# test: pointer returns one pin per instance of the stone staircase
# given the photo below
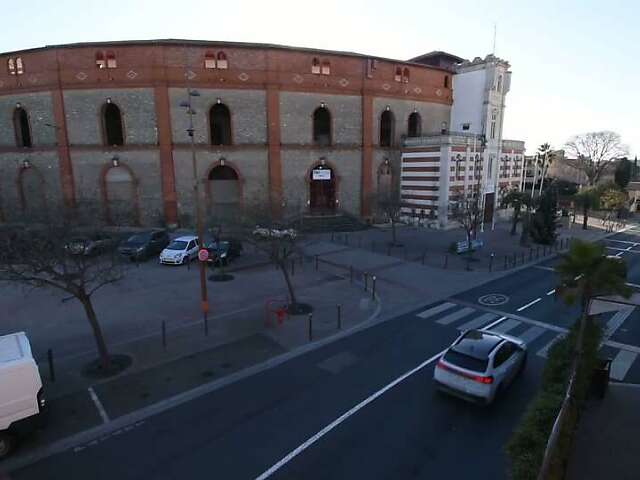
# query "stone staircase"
(339, 222)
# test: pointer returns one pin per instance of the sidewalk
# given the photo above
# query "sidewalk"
(606, 442)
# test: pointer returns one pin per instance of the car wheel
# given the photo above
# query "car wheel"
(7, 444)
(184, 260)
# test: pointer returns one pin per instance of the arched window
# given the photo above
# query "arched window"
(111, 60)
(11, 66)
(446, 81)
(220, 124)
(398, 75)
(415, 125)
(384, 179)
(315, 66)
(326, 67)
(21, 127)
(112, 124)
(405, 75)
(100, 61)
(209, 60)
(499, 86)
(386, 128)
(322, 126)
(222, 61)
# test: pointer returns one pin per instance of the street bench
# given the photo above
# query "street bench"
(463, 246)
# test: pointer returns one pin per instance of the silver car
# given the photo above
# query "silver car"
(480, 365)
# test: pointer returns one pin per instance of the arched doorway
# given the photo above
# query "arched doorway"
(322, 190)
(223, 192)
(122, 205)
(32, 194)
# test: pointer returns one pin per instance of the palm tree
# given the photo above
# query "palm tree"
(546, 156)
(517, 200)
(586, 273)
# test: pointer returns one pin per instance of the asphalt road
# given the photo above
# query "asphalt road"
(290, 422)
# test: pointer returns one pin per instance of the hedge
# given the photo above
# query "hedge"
(528, 442)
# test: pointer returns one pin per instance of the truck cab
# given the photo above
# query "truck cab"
(21, 397)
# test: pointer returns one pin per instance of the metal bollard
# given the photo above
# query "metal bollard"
(339, 317)
(446, 261)
(530, 253)
(164, 334)
(522, 258)
(332, 236)
(537, 253)
(351, 274)
(316, 263)
(206, 325)
(544, 250)
(373, 287)
(365, 275)
(515, 259)
(311, 327)
(52, 371)
(506, 262)
(491, 261)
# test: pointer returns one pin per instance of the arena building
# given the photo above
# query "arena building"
(303, 131)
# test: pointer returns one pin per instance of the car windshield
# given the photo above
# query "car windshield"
(139, 238)
(177, 245)
(465, 361)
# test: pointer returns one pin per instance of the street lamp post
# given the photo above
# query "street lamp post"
(204, 303)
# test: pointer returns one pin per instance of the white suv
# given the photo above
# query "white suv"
(180, 251)
(479, 365)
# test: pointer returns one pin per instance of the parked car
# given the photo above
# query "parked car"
(180, 251)
(264, 233)
(224, 251)
(479, 365)
(22, 401)
(144, 245)
(90, 245)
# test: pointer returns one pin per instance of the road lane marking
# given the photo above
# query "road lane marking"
(544, 351)
(504, 327)
(524, 307)
(454, 317)
(541, 267)
(621, 364)
(634, 285)
(313, 439)
(531, 334)
(435, 310)
(99, 406)
(616, 321)
(622, 241)
(477, 322)
(551, 292)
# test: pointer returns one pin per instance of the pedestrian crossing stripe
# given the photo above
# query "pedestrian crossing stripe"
(448, 313)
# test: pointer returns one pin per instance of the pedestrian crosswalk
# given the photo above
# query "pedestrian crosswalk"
(538, 338)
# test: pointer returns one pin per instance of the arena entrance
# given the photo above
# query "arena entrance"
(322, 190)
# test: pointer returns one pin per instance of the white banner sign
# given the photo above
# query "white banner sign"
(321, 174)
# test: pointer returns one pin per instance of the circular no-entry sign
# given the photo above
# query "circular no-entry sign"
(493, 299)
(203, 254)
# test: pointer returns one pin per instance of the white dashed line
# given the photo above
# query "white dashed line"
(524, 307)
(99, 406)
(551, 292)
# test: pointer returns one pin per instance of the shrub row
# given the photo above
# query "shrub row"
(528, 442)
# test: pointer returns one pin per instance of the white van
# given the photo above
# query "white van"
(21, 398)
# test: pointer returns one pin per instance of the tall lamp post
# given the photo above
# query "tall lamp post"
(204, 303)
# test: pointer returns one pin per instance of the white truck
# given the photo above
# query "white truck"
(21, 399)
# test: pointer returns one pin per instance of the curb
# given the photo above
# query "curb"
(137, 417)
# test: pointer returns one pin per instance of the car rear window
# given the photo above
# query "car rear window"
(465, 361)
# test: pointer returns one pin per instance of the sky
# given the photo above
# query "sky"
(575, 63)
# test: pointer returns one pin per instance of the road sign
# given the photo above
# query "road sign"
(203, 254)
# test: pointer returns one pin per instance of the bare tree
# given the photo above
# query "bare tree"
(594, 151)
(258, 227)
(467, 211)
(389, 207)
(50, 255)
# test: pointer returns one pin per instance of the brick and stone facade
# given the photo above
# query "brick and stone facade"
(271, 93)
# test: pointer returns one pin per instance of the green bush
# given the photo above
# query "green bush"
(528, 442)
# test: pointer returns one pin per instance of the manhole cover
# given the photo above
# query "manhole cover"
(493, 299)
